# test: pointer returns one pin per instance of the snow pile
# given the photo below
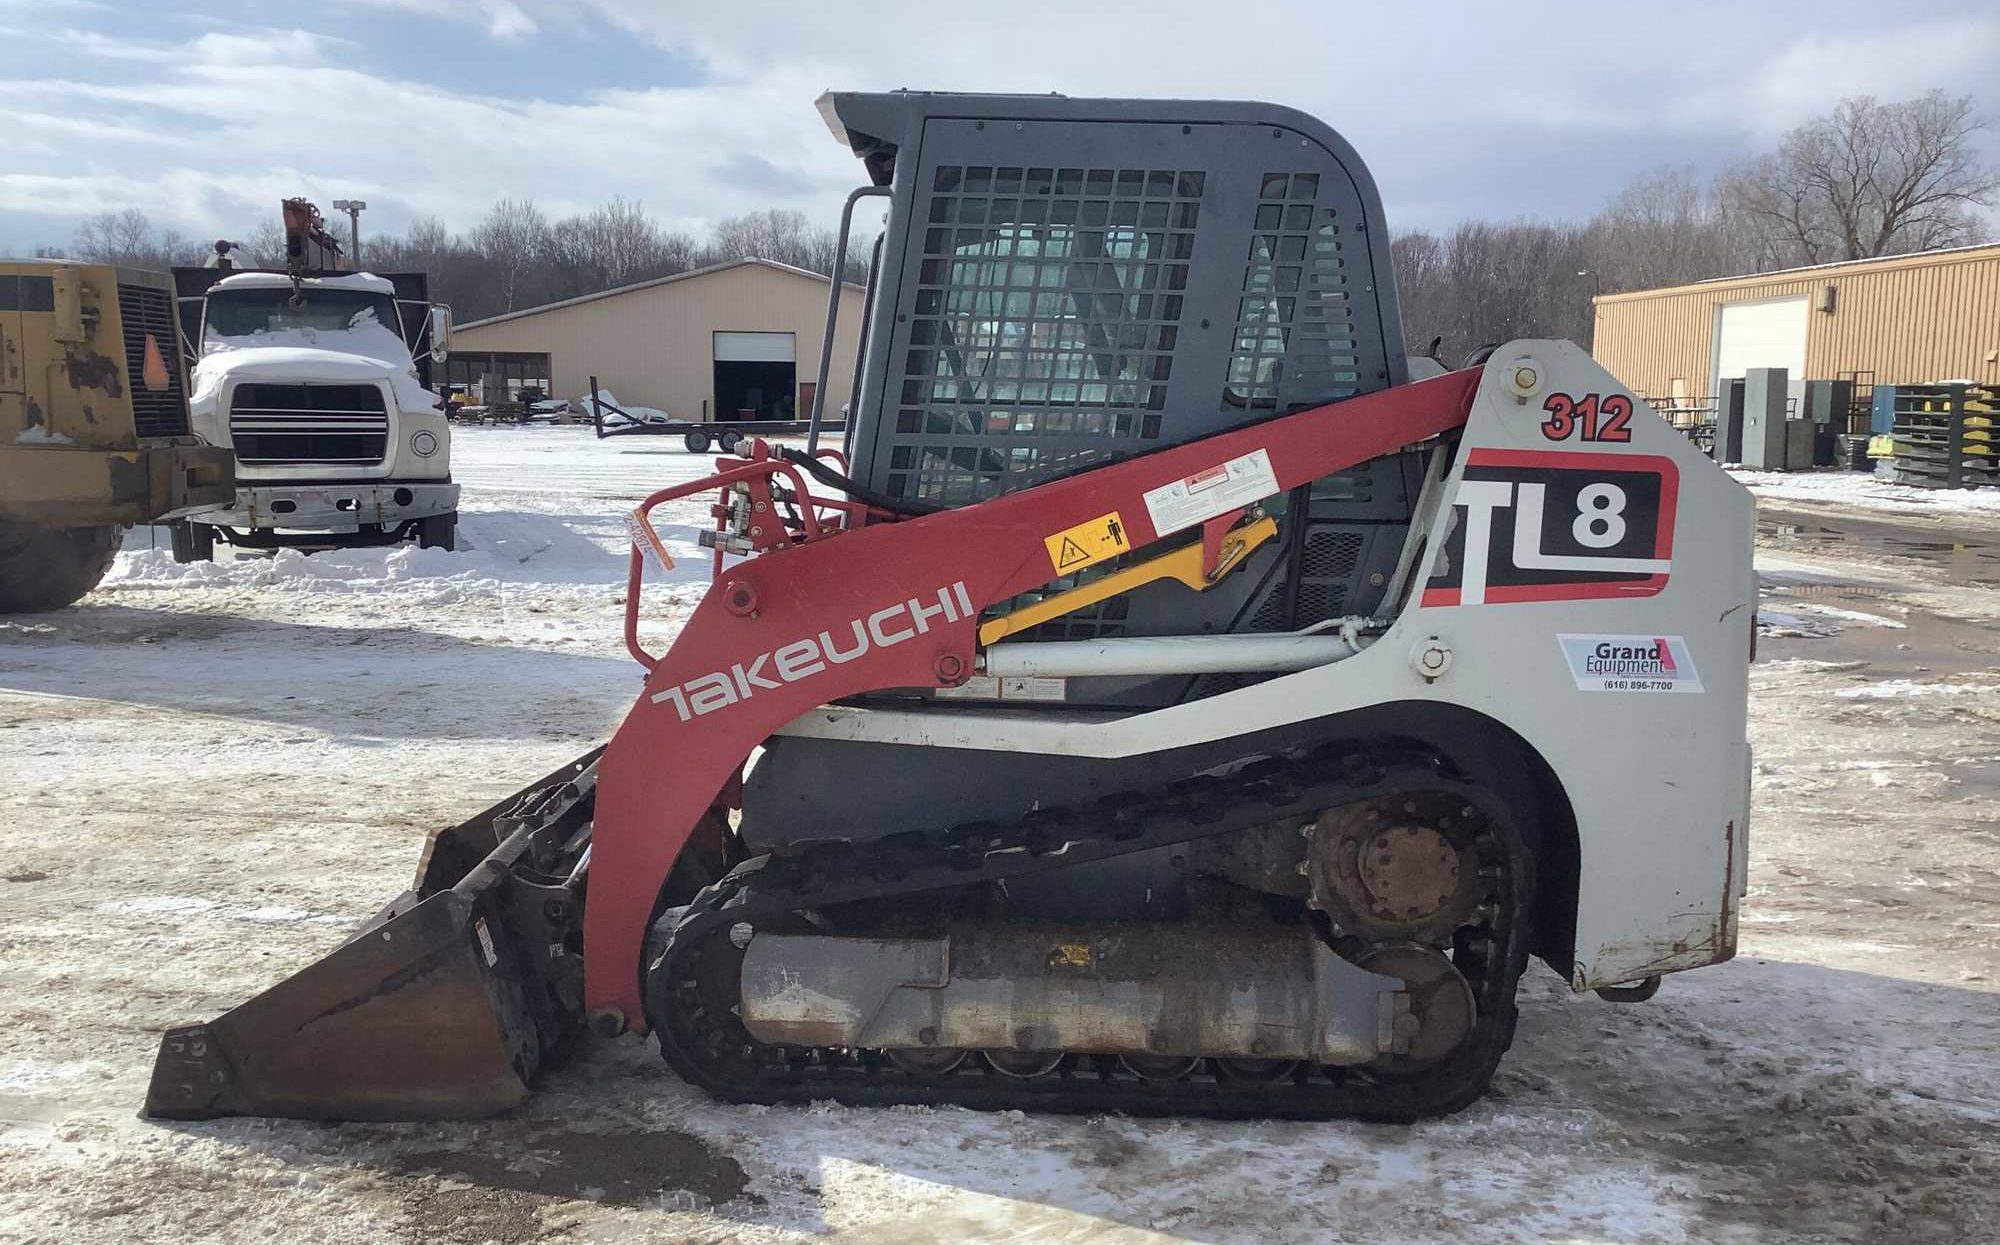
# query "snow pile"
(333, 571)
(1791, 616)
(500, 553)
(1783, 623)
(1899, 689)
(1869, 492)
(639, 414)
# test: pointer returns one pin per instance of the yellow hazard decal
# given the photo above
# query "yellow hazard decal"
(1069, 955)
(1074, 548)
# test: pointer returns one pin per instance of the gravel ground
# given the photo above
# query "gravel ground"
(210, 773)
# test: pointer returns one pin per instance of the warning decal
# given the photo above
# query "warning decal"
(1206, 494)
(1074, 548)
(647, 541)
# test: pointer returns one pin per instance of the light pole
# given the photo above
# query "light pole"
(353, 208)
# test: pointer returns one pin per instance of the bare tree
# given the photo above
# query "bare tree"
(782, 236)
(1665, 228)
(512, 237)
(1871, 179)
(114, 237)
(265, 248)
(622, 242)
(788, 237)
(127, 237)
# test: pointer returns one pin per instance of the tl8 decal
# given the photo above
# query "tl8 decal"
(1592, 417)
(1539, 525)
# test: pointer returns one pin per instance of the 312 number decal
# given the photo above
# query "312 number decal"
(1590, 418)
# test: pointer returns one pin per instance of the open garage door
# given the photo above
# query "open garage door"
(1767, 333)
(756, 376)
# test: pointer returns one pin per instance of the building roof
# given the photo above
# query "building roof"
(689, 275)
(1916, 259)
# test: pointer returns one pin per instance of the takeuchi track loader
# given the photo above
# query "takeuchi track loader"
(1166, 704)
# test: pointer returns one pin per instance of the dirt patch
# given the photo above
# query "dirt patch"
(1795, 1144)
(616, 1168)
(476, 1216)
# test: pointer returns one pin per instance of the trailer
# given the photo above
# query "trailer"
(697, 435)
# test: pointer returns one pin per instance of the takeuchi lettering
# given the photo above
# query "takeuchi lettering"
(803, 658)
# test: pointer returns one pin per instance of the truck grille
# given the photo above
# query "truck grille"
(309, 424)
(144, 310)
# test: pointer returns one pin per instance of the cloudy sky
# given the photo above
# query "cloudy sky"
(206, 114)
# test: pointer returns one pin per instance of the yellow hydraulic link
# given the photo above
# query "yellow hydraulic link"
(1183, 564)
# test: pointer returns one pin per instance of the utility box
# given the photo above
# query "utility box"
(1882, 411)
(1801, 437)
(1728, 446)
(1827, 402)
(1764, 393)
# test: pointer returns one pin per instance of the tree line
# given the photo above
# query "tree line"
(515, 257)
(1868, 179)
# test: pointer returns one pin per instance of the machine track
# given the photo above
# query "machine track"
(692, 986)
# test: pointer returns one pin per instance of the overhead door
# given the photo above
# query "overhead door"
(754, 348)
(756, 376)
(1767, 333)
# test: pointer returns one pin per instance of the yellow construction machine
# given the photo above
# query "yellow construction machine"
(93, 425)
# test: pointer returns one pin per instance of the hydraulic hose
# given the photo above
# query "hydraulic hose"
(826, 475)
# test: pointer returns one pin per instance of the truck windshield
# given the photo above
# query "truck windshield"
(244, 313)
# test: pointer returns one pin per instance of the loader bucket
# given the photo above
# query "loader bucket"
(443, 1006)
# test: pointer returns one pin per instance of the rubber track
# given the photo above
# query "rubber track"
(691, 986)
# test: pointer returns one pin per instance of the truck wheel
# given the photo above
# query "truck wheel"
(696, 442)
(440, 531)
(46, 568)
(732, 441)
(193, 542)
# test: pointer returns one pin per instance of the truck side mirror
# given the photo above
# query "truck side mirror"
(440, 332)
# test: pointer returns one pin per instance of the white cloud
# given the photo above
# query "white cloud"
(275, 103)
(503, 19)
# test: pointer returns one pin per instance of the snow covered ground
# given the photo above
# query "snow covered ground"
(210, 772)
(1862, 490)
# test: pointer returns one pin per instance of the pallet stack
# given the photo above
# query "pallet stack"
(1947, 436)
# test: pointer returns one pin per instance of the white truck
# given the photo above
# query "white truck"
(318, 384)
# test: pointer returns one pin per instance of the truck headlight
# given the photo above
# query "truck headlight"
(424, 444)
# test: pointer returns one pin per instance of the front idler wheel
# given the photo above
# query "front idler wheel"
(1159, 1067)
(927, 1062)
(1023, 1065)
(1441, 1012)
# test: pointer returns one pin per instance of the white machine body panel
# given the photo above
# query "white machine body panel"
(1589, 587)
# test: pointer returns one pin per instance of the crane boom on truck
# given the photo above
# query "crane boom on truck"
(1170, 706)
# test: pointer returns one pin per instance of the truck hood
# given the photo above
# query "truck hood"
(305, 365)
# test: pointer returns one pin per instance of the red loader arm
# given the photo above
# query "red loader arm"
(888, 605)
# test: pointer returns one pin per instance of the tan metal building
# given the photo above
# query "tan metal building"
(1907, 319)
(738, 340)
